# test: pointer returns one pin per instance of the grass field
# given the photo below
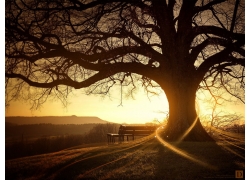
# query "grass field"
(145, 158)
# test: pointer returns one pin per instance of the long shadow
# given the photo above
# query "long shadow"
(83, 166)
(208, 161)
(81, 160)
(23, 173)
(58, 168)
(185, 160)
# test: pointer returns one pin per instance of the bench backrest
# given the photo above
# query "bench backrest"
(137, 130)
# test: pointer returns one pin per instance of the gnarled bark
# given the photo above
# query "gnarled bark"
(183, 123)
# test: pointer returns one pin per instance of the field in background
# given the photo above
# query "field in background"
(20, 120)
(34, 139)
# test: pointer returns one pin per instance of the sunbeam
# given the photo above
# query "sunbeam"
(188, 130)
(182, 152)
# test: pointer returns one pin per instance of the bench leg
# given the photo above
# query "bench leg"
(108, 136)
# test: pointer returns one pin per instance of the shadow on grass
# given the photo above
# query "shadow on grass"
(82, 168)
(149, 160)
(155, 161)
(216, 162)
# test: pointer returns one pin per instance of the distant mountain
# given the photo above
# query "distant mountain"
(54, 120)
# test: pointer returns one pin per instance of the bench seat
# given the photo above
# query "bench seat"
(130, 131)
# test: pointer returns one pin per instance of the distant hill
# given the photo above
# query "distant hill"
(53, 120)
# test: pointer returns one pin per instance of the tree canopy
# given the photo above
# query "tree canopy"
(177, 45)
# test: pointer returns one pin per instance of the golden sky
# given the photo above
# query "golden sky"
(139, 110)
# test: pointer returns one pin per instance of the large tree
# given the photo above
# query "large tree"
(63, 44)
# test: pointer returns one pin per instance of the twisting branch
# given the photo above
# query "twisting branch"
(94, 44)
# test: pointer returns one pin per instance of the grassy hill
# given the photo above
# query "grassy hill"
(53, 120)
(145, 158)
(33, 139)
(44, 130)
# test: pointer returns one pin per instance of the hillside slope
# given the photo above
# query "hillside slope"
(144, 159)
(54, 120)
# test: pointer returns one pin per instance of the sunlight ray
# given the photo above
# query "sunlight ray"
(230, 135)
(233, 144)
(182, 152)
(234, 152)
(188, 130)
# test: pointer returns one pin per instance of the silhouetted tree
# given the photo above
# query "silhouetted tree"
(175, 45)
(217, 118)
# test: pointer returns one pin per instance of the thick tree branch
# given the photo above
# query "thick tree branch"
(218, 32)
(106, 71)
(217, 41)
(234, 15)
(96, 43)
(166, 24)
(223, 56)
(207, 6)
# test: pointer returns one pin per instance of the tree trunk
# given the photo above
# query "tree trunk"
(183, 123)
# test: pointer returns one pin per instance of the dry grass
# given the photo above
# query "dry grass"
(37, 165)
(142, 159)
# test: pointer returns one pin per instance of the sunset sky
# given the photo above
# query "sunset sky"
(139, 110)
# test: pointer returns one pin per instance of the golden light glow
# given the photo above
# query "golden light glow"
(188, 130)
(182, 152)
(139, 110)
(142, 109)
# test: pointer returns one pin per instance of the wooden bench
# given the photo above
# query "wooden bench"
(127, 130)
